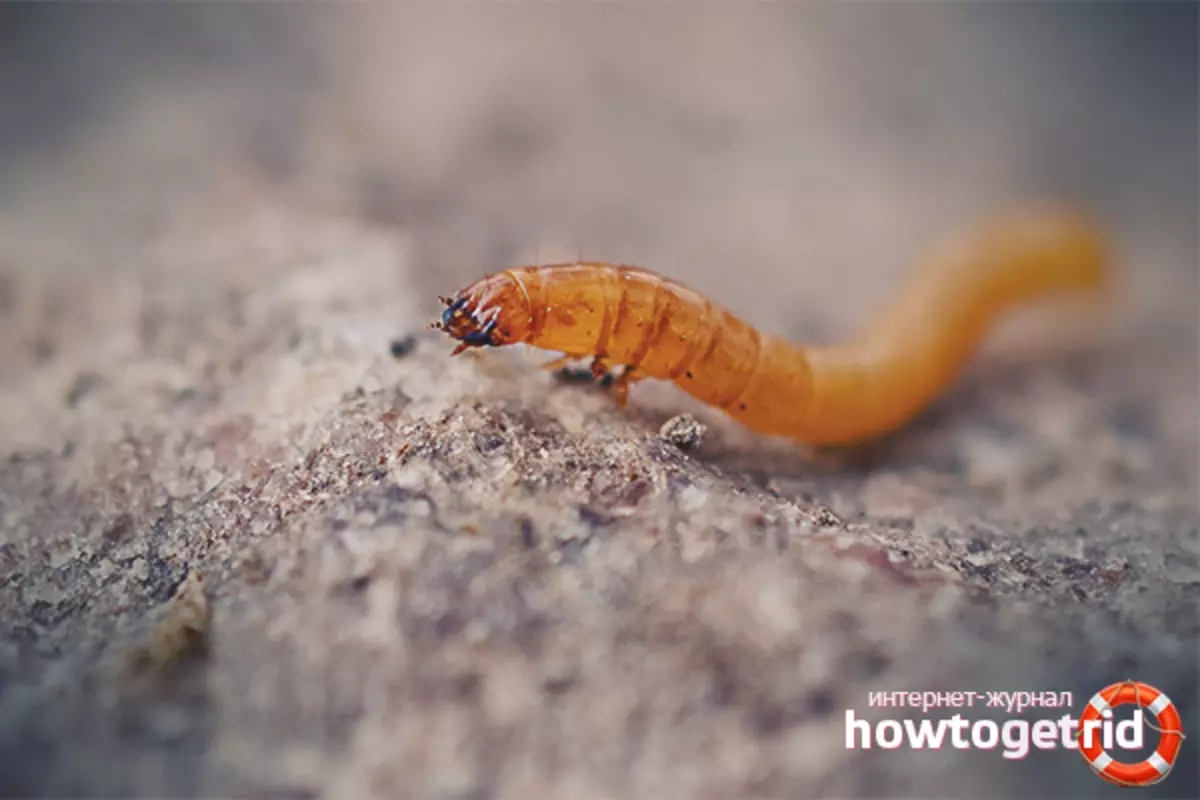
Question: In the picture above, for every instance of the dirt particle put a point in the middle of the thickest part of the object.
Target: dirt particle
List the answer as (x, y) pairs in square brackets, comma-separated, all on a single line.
[(867, 664), (633, 492), (828, 519), (985, 572), (44, 350), (183, 632), (529, 538), (119, 529), (593, 517), (766, 718), (559, 677), (253, 567), (399, 348), (683, 431), (80, 387), (819, 702), (1022, 563), (490, 443), (1075, 569), (677, 482), (1114, 570), (976, 546)]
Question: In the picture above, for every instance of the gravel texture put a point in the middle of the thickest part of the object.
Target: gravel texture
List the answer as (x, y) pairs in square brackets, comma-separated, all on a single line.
[(261, 538)]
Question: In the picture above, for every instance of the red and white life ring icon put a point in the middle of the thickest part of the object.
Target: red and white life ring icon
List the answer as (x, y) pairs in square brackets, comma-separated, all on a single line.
[(1169, 726)]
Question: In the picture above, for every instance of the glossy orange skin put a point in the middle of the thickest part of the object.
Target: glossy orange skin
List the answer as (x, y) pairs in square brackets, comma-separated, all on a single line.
[(866, 387)]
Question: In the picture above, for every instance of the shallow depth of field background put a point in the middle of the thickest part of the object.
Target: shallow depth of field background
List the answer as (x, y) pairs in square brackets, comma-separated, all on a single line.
[(790, 160)]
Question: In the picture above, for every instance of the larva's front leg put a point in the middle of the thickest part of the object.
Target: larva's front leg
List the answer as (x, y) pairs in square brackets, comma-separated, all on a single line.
[(601, 367), (628, 377), (559, 362)]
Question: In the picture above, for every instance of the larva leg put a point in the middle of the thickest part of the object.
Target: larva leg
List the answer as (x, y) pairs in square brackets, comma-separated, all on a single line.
[(559, 362), (601, 367), (621, 385)]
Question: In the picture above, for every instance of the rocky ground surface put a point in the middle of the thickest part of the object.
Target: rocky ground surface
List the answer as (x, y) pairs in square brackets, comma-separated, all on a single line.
[(261, 538)]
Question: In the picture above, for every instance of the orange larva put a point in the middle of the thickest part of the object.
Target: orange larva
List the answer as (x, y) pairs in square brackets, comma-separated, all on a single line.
[(865, 387)]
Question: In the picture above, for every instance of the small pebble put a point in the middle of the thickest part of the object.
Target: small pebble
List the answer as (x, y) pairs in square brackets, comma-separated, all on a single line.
[(683, 431), (827, 519)]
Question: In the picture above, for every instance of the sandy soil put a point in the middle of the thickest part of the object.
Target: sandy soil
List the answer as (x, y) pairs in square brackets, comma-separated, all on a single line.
[(261, 538)]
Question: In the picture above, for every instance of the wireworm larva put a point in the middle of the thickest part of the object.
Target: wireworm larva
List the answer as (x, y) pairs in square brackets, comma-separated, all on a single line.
[(867, 386)]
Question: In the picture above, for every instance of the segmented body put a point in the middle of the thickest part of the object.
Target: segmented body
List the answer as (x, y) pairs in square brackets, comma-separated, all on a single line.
[(865, 387)]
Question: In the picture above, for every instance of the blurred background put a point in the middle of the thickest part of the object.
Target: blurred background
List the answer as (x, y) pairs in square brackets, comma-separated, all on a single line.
[(808, 151), (788, 159)]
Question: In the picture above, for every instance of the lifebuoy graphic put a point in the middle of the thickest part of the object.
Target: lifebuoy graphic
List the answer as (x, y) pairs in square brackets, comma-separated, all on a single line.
[(1169, 726)]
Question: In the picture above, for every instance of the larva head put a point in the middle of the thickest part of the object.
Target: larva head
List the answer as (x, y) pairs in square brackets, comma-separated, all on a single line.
[(492, 312)]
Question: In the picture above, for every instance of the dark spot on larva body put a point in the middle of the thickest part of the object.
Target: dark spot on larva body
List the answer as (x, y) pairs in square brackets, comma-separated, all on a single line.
[(689, 374), (742, 406)]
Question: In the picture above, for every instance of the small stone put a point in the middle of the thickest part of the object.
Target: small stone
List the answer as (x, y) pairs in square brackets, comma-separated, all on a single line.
[(827, 519), (683, 431)]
